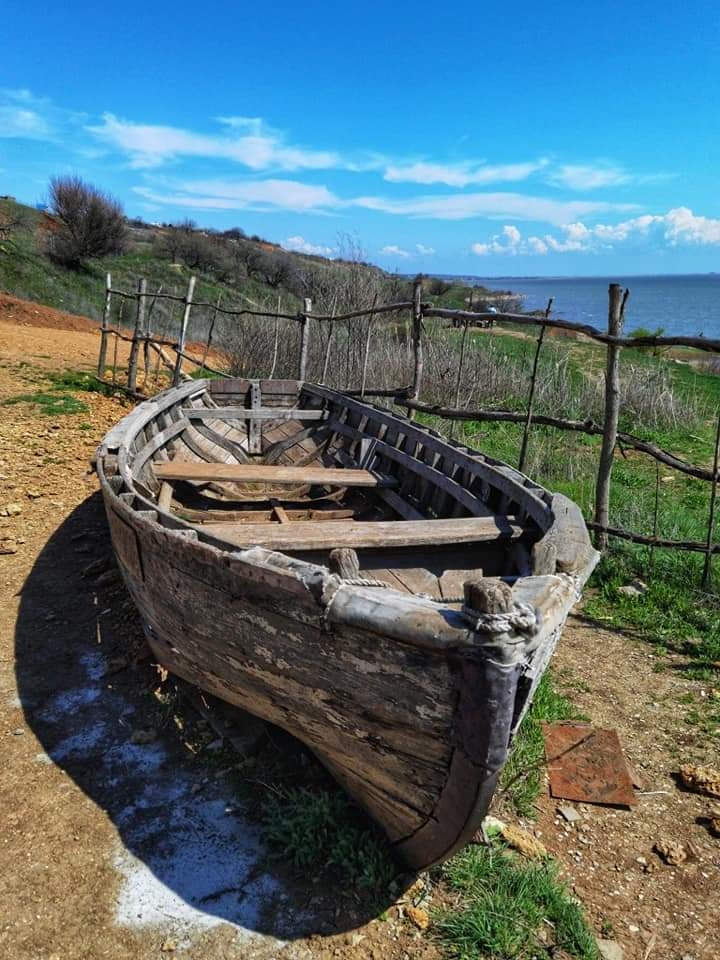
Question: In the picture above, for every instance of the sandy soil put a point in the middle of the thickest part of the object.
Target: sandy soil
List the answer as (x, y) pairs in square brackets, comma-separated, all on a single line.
[(117, 844)]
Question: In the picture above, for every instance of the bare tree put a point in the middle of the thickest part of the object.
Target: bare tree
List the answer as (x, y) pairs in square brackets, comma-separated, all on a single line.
[(90, 223), (12, 219)]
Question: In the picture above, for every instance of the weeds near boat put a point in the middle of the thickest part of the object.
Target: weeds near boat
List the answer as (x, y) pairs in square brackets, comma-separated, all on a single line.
[(58, 398), (316, 829), (523, 773), (509, 908)]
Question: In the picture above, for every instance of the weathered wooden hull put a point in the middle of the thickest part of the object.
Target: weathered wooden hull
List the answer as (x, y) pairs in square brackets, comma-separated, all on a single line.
[(410, 702)]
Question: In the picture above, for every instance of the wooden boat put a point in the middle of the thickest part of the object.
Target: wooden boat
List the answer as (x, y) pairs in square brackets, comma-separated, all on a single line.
[(389, 597)]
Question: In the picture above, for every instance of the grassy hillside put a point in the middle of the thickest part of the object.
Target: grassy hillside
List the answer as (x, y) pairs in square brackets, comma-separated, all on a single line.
[(242, 271)]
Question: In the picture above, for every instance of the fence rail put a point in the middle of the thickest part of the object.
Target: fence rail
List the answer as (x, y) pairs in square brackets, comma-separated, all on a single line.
[(408, 397)]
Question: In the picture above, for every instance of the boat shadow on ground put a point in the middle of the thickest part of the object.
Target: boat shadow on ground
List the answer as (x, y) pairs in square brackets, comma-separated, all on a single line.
[(188, 856)]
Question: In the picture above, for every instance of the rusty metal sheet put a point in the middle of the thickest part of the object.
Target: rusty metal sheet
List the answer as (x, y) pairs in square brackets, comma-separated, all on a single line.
[(586, 764)]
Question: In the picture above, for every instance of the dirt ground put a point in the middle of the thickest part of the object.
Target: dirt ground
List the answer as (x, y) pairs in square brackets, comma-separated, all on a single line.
[(115, 841)]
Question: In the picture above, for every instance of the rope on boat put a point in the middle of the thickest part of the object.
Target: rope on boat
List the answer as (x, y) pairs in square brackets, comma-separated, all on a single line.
[(521, 618), (359, 582)]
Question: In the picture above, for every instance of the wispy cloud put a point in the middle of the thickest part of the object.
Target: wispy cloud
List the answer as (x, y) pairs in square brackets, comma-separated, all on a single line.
[(27, 117), (465, 206), (423, 250), (295, 195), (462, 174), (262, 195), (679, 226), (301, 245), (258, 148), (588, 177), (580, 176), (394, 251)]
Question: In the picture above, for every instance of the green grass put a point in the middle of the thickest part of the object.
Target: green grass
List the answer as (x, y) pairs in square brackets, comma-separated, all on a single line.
[(317, 829), (58, 397), (670, 614), (510, 909), (50, 404), (522, 775)]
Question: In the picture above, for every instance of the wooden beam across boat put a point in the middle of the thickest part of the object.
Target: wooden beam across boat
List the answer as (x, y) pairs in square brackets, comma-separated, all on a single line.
[(253, 413), (375, 535), (262, 473)]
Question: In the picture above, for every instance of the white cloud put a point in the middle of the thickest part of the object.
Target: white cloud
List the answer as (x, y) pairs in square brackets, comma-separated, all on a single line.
[(259, 148), (394, 251), (461, 174), (509, 241), (536, 245), (580, 176), (465, 206), (679, 226), (682, 226), (423, 250), (25, 116), (301, 245), (588, 177), (263, 195)]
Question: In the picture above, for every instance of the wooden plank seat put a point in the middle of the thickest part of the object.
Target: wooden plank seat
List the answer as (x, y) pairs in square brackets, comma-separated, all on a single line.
[(253, 413), (375, 535), (264, 473)]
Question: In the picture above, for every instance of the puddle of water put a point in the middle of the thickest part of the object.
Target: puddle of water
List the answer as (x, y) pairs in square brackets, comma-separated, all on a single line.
[(188, 860)]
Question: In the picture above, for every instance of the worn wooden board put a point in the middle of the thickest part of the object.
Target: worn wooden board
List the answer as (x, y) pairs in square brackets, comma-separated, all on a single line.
[(383, 534), (261, 473)]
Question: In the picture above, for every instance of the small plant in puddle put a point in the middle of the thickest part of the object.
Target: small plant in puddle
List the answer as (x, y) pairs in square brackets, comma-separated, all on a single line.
[(510, 909), (323, 828)]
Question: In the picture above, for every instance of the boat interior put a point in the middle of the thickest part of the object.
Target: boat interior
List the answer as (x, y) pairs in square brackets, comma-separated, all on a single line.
[(303, 469)]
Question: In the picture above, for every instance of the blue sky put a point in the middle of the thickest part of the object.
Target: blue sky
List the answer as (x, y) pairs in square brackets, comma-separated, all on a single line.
[(490, 139)]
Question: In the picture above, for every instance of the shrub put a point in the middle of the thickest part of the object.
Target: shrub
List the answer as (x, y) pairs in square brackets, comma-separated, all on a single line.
[(88, 222)]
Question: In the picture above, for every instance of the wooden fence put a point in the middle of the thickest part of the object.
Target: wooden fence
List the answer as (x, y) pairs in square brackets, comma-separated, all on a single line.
[(409, 397)]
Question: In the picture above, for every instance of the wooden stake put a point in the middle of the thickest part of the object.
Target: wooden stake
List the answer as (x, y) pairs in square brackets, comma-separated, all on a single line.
[(277, 340), (304, 336), (210, 331), (371, 318), (117, 340), (531, 396), (711, 519), (138, 333), (326, 362), (147, 362), (417, 317), (461, 361), (616, 310), (102, 357), (180, 349)]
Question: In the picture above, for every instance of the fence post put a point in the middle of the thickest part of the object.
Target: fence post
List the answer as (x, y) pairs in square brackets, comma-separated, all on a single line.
[(328, 345), (102, 357), (711, 519), (366, 355), (138, 332), (616, 310), (210, 331), (180, 349), (531, 396), (461, 361), (304, 336), (276, 341), (417, 342)]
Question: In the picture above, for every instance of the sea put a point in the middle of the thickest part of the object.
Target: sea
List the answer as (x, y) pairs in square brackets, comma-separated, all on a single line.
[(683, 305)]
